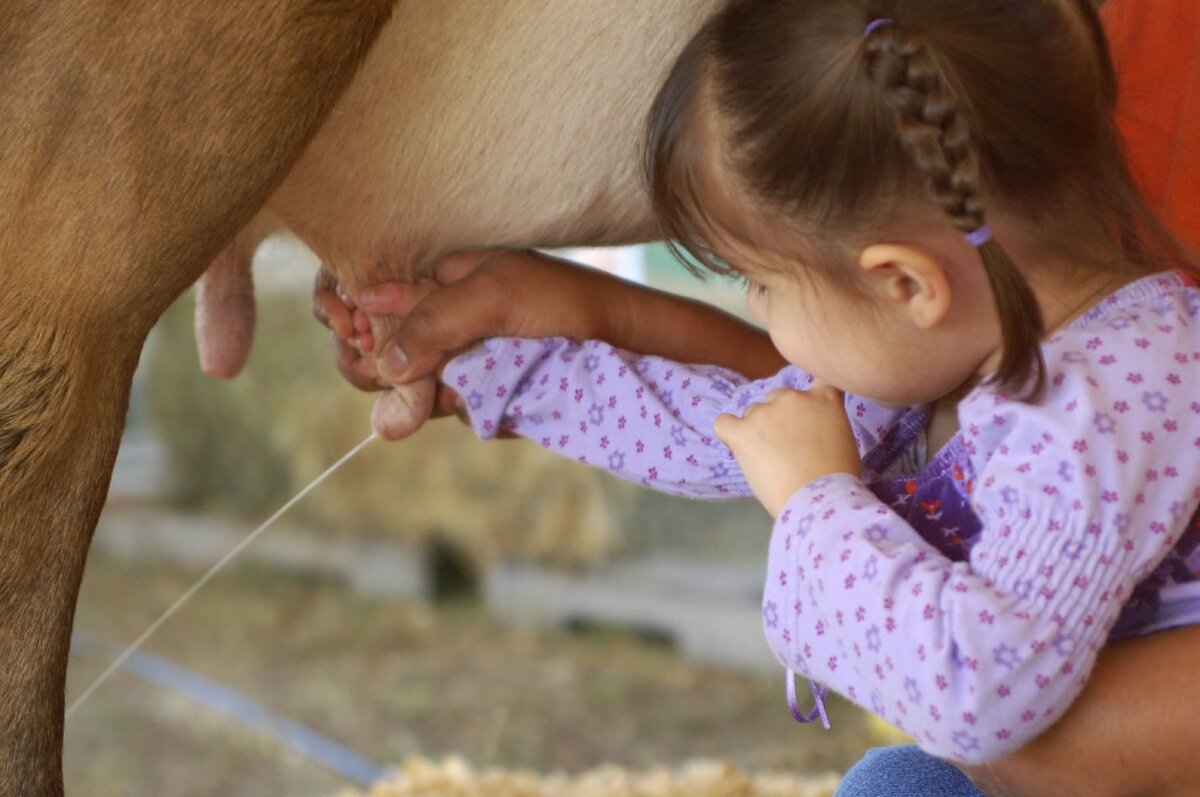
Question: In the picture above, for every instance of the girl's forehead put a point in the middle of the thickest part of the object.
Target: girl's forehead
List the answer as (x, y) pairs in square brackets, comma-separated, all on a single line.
[(729, 214), (715, 206), (742, 231)]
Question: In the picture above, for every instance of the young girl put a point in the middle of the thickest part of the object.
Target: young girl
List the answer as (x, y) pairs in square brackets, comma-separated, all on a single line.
[(978, 458)]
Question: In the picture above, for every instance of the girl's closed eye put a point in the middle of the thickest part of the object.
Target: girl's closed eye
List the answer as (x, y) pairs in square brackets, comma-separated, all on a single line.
[(751, 287)]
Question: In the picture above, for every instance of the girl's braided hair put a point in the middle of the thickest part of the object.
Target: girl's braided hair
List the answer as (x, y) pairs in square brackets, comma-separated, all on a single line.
[(976, 105), (938, 138)]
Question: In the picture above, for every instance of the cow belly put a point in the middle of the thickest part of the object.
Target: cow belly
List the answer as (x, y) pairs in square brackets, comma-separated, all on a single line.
[(507, 123), (513, 123)]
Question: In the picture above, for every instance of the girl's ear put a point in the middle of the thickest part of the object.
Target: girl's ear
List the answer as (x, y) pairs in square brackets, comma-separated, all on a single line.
[(910, 279)]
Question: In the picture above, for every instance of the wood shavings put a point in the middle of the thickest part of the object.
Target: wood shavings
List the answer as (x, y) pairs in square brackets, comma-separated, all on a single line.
[(454, 777)]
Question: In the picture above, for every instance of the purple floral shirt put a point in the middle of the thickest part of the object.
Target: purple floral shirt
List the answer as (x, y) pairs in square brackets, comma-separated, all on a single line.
[(1082, 509)]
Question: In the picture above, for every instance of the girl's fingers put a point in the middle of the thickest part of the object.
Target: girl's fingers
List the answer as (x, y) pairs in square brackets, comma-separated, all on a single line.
[(725, 427)]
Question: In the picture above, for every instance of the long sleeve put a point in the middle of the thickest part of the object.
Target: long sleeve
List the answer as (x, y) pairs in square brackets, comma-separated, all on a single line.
[(644, 419), (1081, 496)]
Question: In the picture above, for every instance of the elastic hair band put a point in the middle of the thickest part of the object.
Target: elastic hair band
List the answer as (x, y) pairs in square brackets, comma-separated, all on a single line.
[(875, 25), (979, 237)]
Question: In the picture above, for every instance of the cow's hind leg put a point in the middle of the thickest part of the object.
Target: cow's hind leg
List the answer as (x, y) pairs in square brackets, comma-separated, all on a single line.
[(138, 138)]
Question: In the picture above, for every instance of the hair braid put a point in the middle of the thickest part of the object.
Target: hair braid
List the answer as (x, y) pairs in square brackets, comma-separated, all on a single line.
[(938, 139)]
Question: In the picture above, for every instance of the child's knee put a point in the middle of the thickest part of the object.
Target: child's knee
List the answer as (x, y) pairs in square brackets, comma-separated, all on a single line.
[(904, 771)]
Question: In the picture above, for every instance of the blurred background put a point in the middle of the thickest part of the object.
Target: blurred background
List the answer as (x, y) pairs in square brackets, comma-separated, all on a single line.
[(435, 597)]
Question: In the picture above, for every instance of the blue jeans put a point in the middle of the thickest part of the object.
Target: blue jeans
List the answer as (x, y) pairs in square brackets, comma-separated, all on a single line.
[(904, 772)]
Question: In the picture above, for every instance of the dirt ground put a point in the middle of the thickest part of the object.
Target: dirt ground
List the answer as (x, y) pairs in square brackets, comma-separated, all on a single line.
[(391, 682)]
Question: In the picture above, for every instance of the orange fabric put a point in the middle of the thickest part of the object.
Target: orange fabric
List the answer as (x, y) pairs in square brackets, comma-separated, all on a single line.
[(1156, 47)]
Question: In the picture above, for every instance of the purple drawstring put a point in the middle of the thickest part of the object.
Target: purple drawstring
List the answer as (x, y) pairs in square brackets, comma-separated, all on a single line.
[(818, 692)]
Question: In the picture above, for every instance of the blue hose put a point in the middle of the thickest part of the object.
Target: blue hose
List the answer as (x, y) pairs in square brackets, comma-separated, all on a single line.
[(245, 710)]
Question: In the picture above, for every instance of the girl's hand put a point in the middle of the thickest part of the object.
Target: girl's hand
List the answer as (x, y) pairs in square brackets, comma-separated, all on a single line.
[(790, 440)]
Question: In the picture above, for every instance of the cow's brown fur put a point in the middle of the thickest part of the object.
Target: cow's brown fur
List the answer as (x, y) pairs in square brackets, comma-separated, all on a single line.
[(138, 137)]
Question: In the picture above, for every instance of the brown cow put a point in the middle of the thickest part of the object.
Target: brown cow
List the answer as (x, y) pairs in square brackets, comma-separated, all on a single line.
[(140, 137)]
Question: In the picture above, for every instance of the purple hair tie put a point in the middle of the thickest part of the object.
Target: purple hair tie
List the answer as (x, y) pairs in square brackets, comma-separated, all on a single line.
[(979, 237), (875, 25)]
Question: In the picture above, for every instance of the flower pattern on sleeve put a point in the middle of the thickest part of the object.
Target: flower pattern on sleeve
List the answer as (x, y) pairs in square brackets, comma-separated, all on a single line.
[(645, 419)]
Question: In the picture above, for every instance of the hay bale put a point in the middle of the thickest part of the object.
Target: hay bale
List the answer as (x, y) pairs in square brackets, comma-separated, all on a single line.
[(248, 445), (453, 777), (882, 733)]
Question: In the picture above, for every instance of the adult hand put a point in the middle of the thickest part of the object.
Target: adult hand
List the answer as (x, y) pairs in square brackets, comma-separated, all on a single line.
[(789, 440), (401, 410), (486, 293), (353, 341), (474, 295)]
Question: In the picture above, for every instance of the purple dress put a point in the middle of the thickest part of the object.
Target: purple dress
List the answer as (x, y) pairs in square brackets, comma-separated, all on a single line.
[(962, 596)]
